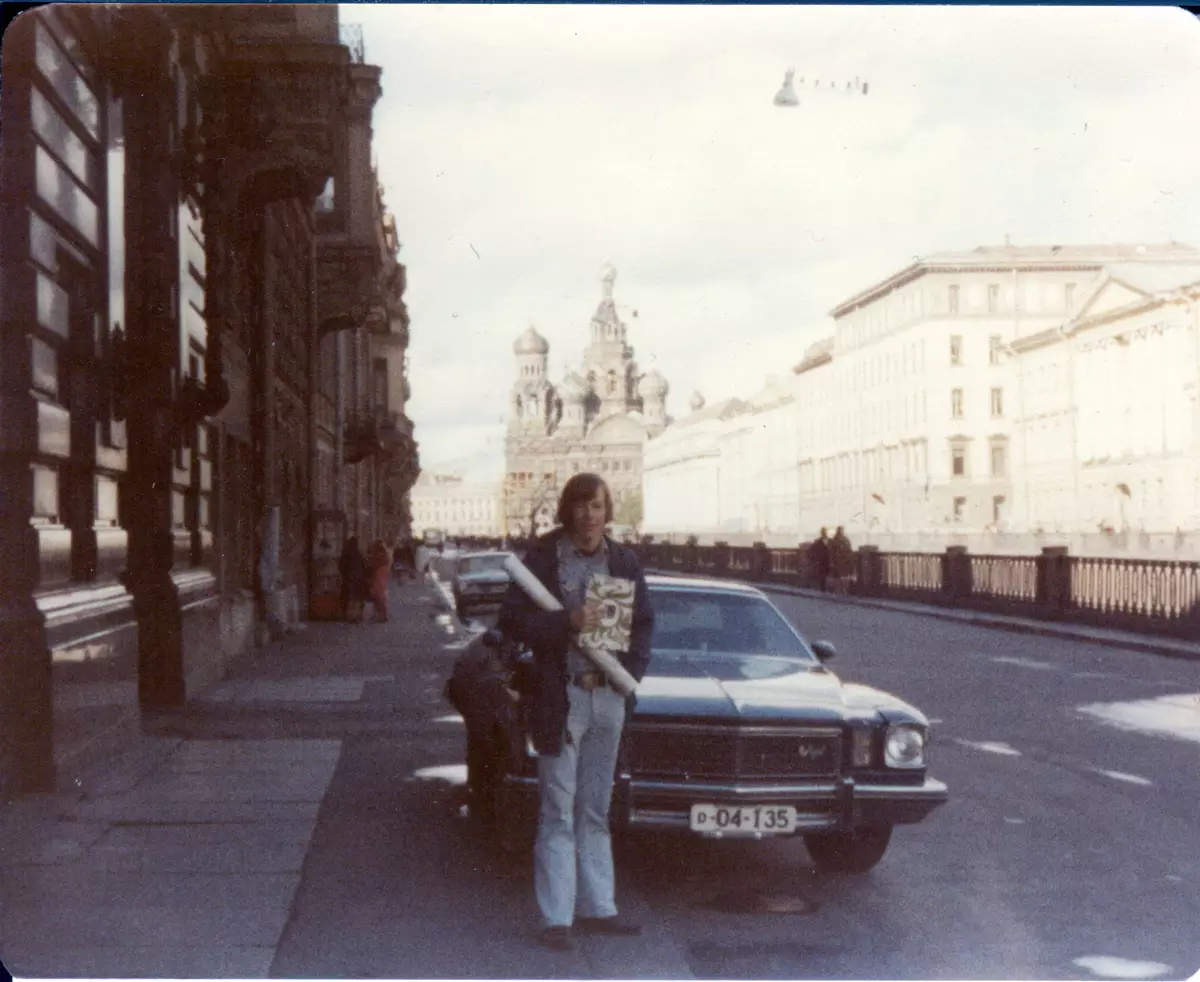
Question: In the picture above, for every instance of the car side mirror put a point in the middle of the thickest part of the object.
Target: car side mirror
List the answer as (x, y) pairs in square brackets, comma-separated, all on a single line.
[(824, 650), (493, 638)]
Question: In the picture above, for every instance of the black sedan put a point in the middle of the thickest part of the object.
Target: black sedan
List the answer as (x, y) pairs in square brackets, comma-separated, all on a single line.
[(480, 580), (740, 731)]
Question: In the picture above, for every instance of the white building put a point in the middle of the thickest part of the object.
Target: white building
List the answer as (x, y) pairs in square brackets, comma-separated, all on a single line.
[(727, 470), (682, 470), (459, 508), (1108, 434), (907, 418), (941, 407)]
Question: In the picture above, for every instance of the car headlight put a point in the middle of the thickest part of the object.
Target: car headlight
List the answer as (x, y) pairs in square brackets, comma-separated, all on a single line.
[(904, 746)]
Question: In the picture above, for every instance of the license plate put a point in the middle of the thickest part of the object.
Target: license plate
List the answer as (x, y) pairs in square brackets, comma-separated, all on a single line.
[(744, 820)]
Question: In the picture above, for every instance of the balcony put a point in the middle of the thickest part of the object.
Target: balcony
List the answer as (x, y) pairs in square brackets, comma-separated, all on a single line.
[(361, 436), (379, 434), (396, 435)]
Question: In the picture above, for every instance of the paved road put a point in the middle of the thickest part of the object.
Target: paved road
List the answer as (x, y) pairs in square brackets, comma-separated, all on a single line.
[(1039, 859), (1066, 839)]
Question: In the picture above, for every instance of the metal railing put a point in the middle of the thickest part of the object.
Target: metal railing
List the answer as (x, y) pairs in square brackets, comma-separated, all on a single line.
[(1006, 577), (1140, 588), (916, 572), (1152, 596)]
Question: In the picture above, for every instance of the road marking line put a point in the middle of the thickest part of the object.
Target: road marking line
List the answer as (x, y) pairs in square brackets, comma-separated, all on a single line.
[(1175, 716), (991, 747), (1121, 776), (1027, 663), (1110, 967)]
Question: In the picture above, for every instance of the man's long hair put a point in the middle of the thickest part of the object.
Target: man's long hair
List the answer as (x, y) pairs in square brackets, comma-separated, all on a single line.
[(580, 488)]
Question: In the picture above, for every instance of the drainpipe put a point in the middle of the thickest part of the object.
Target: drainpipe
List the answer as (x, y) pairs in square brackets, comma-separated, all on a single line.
[(339, 439)]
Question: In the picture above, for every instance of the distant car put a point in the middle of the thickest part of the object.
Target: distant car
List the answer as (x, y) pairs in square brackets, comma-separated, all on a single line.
[(739, 731), (480, 580)]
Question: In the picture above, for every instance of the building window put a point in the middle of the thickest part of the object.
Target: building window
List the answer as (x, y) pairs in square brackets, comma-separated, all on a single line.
[(956, 403), (993, 297), (955, 349), (994, 349), (953, 298), (958, 460), (960, 510), (998, 508), (997, 403), (1068, 295), (999, 460)]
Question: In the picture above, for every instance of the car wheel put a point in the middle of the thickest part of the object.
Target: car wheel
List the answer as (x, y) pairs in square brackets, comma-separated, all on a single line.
[(849, 852)]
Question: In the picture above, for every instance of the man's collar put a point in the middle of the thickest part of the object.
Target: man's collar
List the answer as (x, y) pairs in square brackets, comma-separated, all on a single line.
[(601, 550)]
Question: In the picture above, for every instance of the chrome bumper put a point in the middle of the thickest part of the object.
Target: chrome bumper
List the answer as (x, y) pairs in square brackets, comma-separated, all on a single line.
[(819, 806), (829, 805)]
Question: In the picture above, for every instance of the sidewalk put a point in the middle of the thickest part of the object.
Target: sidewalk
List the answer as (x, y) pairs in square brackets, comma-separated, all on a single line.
[(1128, 640), (181, 857), (279, 825)]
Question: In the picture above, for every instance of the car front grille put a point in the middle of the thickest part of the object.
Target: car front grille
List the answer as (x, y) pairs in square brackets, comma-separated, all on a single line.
[(700, 751)]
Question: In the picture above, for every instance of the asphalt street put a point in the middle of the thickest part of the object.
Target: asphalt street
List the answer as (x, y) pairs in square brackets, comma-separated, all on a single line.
[(306, 818), (1068, 848)]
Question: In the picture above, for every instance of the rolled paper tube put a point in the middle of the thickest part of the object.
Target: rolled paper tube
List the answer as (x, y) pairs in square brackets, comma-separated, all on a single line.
[(621, 680)]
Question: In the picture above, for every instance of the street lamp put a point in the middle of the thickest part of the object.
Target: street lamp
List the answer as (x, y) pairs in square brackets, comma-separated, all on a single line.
[(786, 96)]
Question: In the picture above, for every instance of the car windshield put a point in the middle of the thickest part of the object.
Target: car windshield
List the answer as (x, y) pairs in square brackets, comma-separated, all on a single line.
[(700, 621), (477, 564)]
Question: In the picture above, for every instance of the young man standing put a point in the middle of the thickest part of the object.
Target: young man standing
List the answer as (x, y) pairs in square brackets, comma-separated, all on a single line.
[(575, 716)]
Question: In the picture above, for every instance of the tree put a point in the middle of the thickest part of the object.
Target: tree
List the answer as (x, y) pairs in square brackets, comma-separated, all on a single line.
[(628, 510)]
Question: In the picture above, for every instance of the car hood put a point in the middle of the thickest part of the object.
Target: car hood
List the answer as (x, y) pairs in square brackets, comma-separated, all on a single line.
[(486, 577), (727, 688)]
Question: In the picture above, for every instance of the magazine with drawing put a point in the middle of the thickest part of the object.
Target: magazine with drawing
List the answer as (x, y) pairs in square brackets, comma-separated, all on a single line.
[(615, 597)]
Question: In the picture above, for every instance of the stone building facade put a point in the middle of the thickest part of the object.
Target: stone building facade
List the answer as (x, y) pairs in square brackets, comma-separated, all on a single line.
[(457, 507), (1107, 421), (597, 419), (161, 272), (977, 397)]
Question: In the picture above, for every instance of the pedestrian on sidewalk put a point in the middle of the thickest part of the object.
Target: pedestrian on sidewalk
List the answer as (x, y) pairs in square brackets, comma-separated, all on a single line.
[(822, 555), (377, 576), (424, 559), (403, 559), (575, 716), (841, 560), (353, 570)]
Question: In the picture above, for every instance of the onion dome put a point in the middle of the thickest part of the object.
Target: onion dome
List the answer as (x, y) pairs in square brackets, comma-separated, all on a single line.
[(531, 343), (653, 386)]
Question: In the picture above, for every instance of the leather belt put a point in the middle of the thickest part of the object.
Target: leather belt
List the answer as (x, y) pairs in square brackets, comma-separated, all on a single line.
[(590, 680)]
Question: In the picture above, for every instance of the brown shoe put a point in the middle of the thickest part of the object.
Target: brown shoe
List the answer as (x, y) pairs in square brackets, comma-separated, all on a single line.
[(610, 926), (557, 938)]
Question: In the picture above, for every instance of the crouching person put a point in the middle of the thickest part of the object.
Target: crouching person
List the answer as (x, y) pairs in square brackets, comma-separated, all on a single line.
[(575, 716)]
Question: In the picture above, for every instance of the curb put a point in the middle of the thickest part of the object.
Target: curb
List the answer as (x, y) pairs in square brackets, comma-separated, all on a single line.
[(1148, 645)]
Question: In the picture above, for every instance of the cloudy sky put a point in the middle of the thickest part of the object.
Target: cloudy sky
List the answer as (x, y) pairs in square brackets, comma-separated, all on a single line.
[(522, 146)]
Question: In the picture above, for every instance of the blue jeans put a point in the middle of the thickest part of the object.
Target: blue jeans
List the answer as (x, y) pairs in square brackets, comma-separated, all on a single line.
[(573, 864)]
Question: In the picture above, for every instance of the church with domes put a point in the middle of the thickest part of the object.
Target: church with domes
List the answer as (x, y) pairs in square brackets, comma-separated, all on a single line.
[(597, 418)]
